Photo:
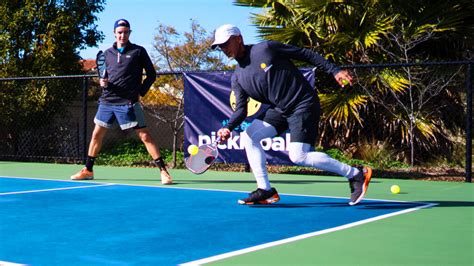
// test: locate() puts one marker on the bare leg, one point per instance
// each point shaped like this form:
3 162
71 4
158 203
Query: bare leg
96 140
94 148
151 147
154 151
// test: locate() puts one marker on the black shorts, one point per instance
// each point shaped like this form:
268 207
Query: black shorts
303 125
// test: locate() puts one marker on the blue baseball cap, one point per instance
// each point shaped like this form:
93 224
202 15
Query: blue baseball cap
121 23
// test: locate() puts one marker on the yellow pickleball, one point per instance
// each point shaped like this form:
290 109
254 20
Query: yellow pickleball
395 189
193 149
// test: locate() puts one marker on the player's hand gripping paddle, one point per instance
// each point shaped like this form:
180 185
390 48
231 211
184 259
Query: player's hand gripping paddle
101 66
204 158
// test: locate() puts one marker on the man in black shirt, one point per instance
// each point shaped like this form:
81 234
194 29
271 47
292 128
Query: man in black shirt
266 73
122 87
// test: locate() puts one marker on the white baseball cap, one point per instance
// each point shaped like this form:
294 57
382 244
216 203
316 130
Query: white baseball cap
223 33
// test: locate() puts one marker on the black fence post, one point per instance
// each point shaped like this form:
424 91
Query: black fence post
469 123
84 117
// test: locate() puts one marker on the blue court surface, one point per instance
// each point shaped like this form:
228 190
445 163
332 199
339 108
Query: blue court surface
46 222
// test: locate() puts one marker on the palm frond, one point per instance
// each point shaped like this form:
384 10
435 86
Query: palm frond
393 80
342 107
251 3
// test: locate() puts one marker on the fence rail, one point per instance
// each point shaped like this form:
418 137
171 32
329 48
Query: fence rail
73 125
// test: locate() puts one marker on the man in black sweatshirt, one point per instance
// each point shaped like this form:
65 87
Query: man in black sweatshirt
266 73
121 89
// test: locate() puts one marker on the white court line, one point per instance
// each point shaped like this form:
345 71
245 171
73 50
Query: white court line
300 237
6 263
45 179
52 189
206 189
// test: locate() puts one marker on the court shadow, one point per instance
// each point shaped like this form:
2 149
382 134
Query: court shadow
362 205
389 205
415 204
453 203
282 205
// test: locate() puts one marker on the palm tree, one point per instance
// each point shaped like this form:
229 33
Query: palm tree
354 32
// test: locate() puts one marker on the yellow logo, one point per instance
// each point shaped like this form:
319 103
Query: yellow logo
252 105
263 65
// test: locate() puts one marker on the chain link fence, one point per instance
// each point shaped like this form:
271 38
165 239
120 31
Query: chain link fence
50 119
39 119
412 113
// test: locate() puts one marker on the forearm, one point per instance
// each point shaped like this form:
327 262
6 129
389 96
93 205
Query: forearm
146 85
236 119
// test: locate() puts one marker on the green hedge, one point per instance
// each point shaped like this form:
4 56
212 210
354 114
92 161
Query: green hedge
133 153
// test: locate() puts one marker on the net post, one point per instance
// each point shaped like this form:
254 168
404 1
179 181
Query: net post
469 123
84 119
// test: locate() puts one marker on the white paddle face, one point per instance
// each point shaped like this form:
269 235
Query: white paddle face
201 161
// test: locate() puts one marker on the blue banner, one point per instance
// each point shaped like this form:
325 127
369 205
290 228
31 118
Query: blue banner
208 105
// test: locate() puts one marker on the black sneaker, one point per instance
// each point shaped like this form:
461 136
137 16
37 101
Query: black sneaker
261 196
359 184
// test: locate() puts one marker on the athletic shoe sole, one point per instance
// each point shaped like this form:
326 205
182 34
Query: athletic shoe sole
85 178
272 199
365 187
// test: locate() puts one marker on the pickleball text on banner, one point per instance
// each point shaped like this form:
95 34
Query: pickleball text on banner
208 102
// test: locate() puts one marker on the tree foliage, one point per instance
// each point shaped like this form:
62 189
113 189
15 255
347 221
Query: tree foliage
43 37
175 52
39 38
349 31
401 106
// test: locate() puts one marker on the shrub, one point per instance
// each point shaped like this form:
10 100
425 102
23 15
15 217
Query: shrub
133 153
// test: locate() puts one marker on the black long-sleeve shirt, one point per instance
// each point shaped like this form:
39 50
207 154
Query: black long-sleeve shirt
125 72
267 74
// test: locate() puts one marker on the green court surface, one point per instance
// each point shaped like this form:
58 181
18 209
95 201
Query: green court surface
439 235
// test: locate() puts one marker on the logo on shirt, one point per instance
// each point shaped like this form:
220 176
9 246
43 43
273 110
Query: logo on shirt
265 67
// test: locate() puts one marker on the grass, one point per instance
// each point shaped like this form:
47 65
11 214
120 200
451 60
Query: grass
132 153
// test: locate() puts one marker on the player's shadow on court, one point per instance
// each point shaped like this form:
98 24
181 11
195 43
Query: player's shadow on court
362 205
437 204
453 203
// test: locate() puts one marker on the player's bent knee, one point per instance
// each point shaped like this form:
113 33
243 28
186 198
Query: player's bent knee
97 136
297 157
145 136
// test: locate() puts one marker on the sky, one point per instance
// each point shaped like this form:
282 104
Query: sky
145 16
